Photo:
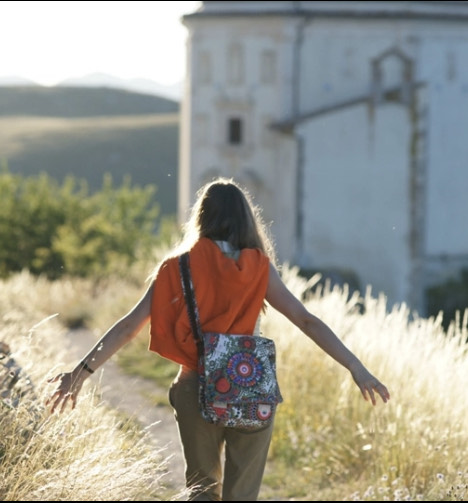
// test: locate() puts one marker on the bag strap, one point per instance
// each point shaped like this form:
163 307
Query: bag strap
189 294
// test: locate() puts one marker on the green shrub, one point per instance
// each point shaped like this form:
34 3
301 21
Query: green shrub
54 229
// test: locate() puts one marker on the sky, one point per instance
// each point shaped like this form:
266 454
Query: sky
48 42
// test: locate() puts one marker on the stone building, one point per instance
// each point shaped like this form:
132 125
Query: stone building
348 123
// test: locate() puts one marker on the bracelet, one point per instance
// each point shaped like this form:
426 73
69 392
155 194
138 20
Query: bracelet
86 367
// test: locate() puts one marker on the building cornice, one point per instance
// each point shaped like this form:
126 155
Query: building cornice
435 10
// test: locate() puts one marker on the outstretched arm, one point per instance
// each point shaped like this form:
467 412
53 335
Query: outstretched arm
279 297
124 330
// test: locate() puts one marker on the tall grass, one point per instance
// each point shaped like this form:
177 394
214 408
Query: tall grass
328 444
339 446
88 454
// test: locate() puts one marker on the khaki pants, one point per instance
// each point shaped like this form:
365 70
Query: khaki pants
245 453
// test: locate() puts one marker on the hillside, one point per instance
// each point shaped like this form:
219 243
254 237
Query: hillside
86 132
80 102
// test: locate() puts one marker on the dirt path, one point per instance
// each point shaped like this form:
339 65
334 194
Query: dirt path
130 395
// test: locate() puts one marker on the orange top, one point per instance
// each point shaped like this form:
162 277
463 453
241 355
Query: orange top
229 295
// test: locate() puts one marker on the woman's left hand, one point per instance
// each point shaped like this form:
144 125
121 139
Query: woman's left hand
69 386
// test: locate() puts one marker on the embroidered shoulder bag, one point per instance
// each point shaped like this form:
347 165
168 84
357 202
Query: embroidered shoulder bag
237 379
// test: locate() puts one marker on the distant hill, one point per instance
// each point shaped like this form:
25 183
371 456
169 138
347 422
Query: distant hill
80 102
16 80
136 85
144 86
86 132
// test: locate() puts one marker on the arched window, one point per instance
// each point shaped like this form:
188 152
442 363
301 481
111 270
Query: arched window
268 67
235 65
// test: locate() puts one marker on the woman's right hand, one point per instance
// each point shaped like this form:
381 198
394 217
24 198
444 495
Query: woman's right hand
69 385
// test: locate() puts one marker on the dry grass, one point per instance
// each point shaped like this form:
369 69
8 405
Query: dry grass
88 454
339 446
17 132
88 148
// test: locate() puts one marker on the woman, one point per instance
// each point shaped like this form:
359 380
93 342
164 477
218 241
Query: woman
233 272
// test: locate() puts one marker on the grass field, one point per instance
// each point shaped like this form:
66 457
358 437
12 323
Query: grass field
329 444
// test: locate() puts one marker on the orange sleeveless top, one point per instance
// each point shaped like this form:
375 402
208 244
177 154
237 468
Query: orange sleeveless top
229 293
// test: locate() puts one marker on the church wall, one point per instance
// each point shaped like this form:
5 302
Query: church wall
337 54
337 59
446 68
357 184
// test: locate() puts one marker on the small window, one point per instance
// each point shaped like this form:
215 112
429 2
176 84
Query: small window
205 68
202 125
234 131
